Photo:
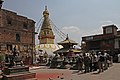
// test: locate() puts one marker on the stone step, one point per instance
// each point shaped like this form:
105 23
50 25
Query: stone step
22 76
32 79
17 69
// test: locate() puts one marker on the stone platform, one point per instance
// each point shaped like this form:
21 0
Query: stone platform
21 76
17 69
18 73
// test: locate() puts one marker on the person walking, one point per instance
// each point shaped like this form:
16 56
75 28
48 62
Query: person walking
87 63
95 62
101 60
91 62
80 63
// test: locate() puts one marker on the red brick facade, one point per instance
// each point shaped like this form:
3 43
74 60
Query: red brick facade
16 30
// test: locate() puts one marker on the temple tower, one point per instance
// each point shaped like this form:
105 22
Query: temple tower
46 35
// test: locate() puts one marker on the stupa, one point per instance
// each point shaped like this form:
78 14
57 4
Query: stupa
46 36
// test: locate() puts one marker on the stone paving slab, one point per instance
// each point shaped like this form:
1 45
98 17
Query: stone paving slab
38 67
113 73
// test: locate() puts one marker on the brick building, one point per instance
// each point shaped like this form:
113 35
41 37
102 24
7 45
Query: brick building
109 40
18 32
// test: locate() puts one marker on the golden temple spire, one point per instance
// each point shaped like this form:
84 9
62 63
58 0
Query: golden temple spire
46 34
45 13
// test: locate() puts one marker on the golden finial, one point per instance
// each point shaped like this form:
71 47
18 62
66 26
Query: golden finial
46 11
45 7
67 37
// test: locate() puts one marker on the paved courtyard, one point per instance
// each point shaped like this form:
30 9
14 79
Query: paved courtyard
113 73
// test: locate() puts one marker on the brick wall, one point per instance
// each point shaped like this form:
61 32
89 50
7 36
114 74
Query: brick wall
16 30
12 24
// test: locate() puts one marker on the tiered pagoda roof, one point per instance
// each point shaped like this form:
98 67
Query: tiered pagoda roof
67 41
67 46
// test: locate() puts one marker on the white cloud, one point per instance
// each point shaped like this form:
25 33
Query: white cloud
76 34
95 31
73 32
71 29
104 23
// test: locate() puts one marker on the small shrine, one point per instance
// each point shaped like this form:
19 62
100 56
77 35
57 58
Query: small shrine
68 49
66 55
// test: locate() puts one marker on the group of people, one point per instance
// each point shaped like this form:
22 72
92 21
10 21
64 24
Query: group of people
89 62
42 58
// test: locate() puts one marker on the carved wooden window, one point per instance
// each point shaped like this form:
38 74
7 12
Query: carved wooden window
25 26
31 25
9 21
17 37
108 30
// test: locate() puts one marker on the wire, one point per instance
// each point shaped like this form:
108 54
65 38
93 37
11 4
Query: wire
56 29
39 24
59 32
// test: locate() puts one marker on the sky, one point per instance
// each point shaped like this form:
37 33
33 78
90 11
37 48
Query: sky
77 18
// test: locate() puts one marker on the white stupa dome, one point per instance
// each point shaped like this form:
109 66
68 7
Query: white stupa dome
49 48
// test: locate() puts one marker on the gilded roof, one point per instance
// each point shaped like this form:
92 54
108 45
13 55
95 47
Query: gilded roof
67 41
66 50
